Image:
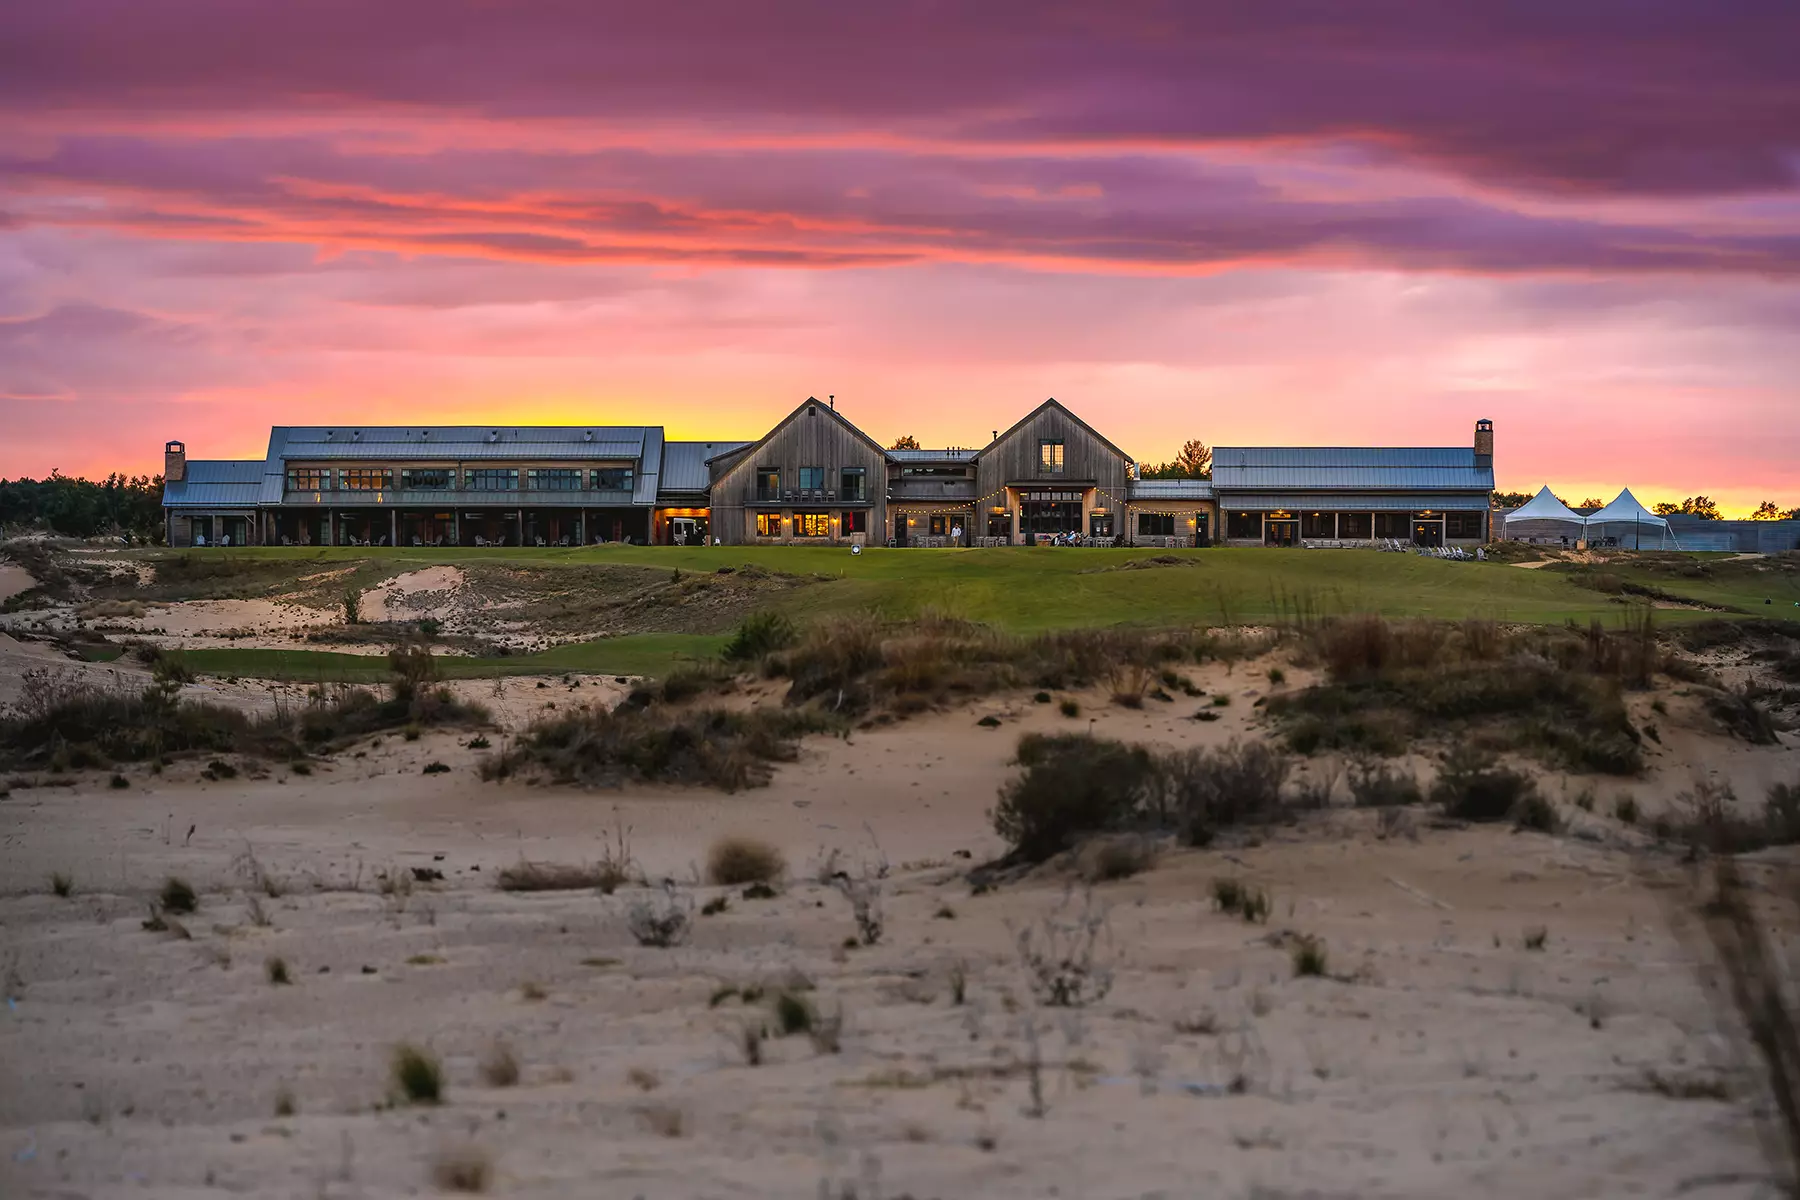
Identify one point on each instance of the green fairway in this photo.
(1024, 590)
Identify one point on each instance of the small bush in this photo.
(276, 969)
(1203, 791)
(177, 896)
(1625, 808)
(1041, 698)
(1473, 786)
(1069, 708)
(61, 883)
(300, 768)
(1535, 937)
(662, 925)
(989, 722)
(1073, 784)
(478, 742)
(715, 906)
(462, 1169)
(1114, 856)
(218, 769)
(551, 877)
(735, 861)
(1228, 895)
(794, 1013)
(760, 634)
(500, 1066)
(1277, 676)
(1534, 811)
(1308, 953)
(417, 1075)
(119, 783)
(435, 768)
(1377, 785)
(284, 1103)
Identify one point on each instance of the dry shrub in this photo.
(1114, 856)
(1073, 784)
(500, 1066)
(733, 861)
(525, 876)
(726, 750)
(661, 924)
(1474, 786)
(417, 1075)
(462, 1169)
(1377, 785)
(1204, 791)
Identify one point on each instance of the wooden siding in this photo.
(1086, 456)
(811, 436)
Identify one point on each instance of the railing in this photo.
(933, 489)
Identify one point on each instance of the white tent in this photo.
(1544, 516)
(1631, 524)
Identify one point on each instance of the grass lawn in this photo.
(1025, 590)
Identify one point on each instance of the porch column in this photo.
(456, 525)
(1371, 527)
(1335, 526)
(521, 513)
(581, 526)
(394, 524)
(331, 531)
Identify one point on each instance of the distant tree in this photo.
(1694, 506)
(1591, 502)
(1193, 462)
(82, 508)
(905, 441)
(1766, 511)
(1510, 499)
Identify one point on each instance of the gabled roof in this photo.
(1544, 507)
(1626, 509)
(684, 464)
(1053, 402)
(216, 483)
(823, 409)
(1447, 468)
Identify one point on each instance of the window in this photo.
(426, 477)
(812, 479)
(937, 526)
(1100, 524)
(612, 479)
(852, 484)
(1243, 525)
(1156, 525)
(553, 479)
(1393, 525)
(309, 479)
(1318, 525)
(1050, 456)
(812, 524)
(1462, 524)
(1355, 525)
(768, 524)
(492, 479)
(768, 484)
(363, 479)
(856, 520)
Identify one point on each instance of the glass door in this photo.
(1281, 533)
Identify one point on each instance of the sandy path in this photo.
(13, 580)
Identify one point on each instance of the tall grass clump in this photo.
(1474, 786)
(417, 1075)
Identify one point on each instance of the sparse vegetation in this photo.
(760, 634)
(1070, 708)
(631, 744)
(1474, 786)
(464, 1168)
(417, 1076)
(735, 861)
(550, 877)
(276, 968)
(1625, 808)
(1067, 955)
(663, 923)
(500, 1066)
(435, 768)
(62, 883)
(1308, 953)
(177, 896)
(1374, 784)
(1114, 856)
(1535, 937)
(285, 1105)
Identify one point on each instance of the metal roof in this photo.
(400, 443)
(919, 456)
(216, 483)
(1353, 501)
(684, 466)
(1170, 489)
(1337, 467)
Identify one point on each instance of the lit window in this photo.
(812, 525)
(1050, 456)
(309, 479)
(768, 524)
(363, 479)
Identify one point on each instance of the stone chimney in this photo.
(1484, 443)
(175, 462)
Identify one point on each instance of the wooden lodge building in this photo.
(815, 479)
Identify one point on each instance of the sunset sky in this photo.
(1248, 222)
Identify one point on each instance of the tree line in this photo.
(73, 507)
